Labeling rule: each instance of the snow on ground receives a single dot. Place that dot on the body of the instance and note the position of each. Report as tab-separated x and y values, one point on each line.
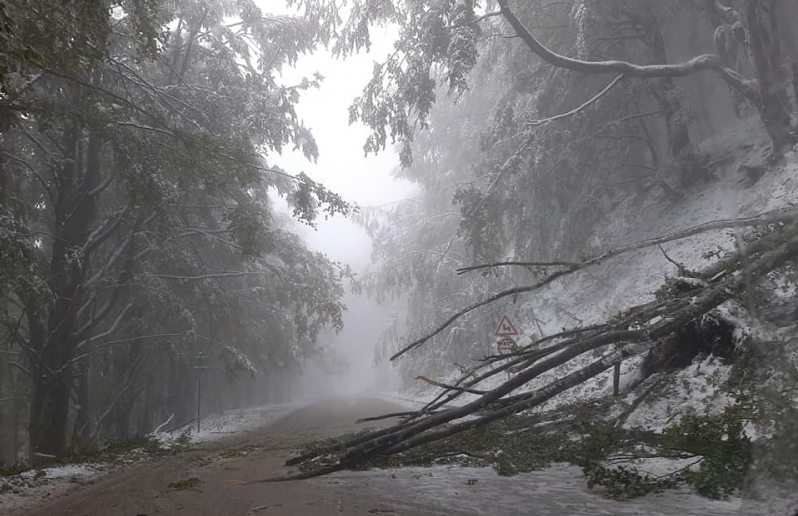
217	426
17	490
555	491
692	390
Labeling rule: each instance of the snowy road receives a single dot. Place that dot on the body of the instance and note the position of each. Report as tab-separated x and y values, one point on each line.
202	477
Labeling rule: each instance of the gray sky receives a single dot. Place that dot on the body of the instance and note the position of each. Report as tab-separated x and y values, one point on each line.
343	168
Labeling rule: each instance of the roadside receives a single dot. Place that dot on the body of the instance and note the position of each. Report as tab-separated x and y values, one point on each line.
37	484
197	481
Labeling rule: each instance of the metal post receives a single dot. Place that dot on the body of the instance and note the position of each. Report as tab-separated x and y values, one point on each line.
15	408
199	397
201	364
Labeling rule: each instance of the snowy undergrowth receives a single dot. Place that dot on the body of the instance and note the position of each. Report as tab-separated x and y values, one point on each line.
217	426
44	482
555	491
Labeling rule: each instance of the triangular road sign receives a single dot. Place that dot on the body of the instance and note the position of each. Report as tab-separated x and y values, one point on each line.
506	328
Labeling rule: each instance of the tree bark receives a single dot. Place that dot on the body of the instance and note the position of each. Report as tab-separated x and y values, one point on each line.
75	211
83	421
765	51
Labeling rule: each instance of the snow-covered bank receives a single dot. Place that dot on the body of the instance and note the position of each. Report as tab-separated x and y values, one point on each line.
230	422
554	491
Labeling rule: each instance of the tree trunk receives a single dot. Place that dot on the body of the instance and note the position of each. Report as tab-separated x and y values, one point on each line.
665	90
83	421
764	48
15	422
48	417
3	391
146	416
75	211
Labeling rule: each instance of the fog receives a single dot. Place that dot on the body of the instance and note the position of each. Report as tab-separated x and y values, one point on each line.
367	181
617	178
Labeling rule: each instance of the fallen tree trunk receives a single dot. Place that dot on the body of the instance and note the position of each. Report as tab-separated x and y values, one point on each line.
637	332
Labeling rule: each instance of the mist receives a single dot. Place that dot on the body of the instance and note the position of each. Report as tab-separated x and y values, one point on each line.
367	181
399	256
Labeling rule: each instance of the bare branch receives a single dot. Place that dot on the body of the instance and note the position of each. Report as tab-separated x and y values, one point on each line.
15	364
681	268
44	184
769	217
585	105
237	274
485	17
211	234
110	330
449	387
463	270
709	62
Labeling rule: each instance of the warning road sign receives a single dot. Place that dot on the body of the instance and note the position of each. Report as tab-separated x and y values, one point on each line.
506	345
506	328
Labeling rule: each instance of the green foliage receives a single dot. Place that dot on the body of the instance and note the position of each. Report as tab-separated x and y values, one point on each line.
743	374
719	450
17	56
437	39
543	191
134	201
240	451
722	441
186	484
13	469
623	483
87	450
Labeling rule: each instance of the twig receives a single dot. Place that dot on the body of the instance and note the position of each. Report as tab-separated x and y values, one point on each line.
681	268
463	270
449	387
585	105
388	416
159	427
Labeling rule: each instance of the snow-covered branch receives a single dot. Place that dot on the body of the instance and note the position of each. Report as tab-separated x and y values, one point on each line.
710	62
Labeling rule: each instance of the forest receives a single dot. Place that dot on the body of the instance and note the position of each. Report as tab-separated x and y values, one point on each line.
618	176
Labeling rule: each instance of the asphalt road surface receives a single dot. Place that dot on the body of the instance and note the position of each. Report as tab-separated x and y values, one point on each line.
144	489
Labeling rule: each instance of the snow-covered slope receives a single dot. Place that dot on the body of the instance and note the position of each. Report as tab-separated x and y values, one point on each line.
743	184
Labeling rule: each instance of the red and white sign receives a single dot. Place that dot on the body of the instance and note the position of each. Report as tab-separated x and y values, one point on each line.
506	328
506	345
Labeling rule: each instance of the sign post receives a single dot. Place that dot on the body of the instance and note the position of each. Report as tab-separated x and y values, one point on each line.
201	360
506	331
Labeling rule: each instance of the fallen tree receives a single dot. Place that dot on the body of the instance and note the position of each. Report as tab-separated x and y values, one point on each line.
636	330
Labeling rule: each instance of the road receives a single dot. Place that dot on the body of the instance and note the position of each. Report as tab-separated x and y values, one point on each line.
144	489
